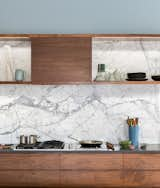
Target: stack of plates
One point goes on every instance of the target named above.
(136, 76)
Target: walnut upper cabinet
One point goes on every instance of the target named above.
(57, 60)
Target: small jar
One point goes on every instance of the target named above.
(101, 72)
(19, 75)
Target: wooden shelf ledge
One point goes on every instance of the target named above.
(6, 82)
(125, 82)
(88, 83)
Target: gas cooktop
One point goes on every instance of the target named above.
(52, 144)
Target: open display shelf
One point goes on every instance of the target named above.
(15, 60)
(47, 47)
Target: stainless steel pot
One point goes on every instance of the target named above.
(23, 139)
(33, 139)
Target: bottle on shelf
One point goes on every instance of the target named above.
(101, 72)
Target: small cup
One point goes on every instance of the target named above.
(19, 75)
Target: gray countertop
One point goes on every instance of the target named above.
(152, 148)
(79, 151)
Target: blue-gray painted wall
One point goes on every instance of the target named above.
(79, 16)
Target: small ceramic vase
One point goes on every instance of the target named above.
(19, 75)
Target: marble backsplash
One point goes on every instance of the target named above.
(79, 111)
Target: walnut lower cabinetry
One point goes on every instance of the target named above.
(141, 170)
(91, 170)
(61, 169)
(29, 169)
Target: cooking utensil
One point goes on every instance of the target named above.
(22, 139)
(90, 143)
(54, 144)
(33, 139)
(28, 146)
(132, 121)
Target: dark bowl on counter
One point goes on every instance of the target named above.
(136, 75)
(156, 78)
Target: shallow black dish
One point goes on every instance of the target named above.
(137, 79)
(156, 78)
(136, 75)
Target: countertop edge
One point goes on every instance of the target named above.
(81, 151)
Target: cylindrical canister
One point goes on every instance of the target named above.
(19, 75)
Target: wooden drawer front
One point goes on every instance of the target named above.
(61, 60)
(142, 179)
(91, 161)
(91, 179)
(142, 161)
(29, 161)
(29, 178)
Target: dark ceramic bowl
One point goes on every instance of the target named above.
(137, 79)
(136, 75)
(156, 78)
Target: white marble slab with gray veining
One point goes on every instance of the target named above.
(78, 111)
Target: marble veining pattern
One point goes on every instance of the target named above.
(78, 111)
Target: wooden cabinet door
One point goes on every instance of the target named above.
(91, 179)
(91, 170)
(141, 170)
(91, 161)
(29, 178)
(61, 60)
(142, 178)
(145, 161)
(29, 170)
(29, 161)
